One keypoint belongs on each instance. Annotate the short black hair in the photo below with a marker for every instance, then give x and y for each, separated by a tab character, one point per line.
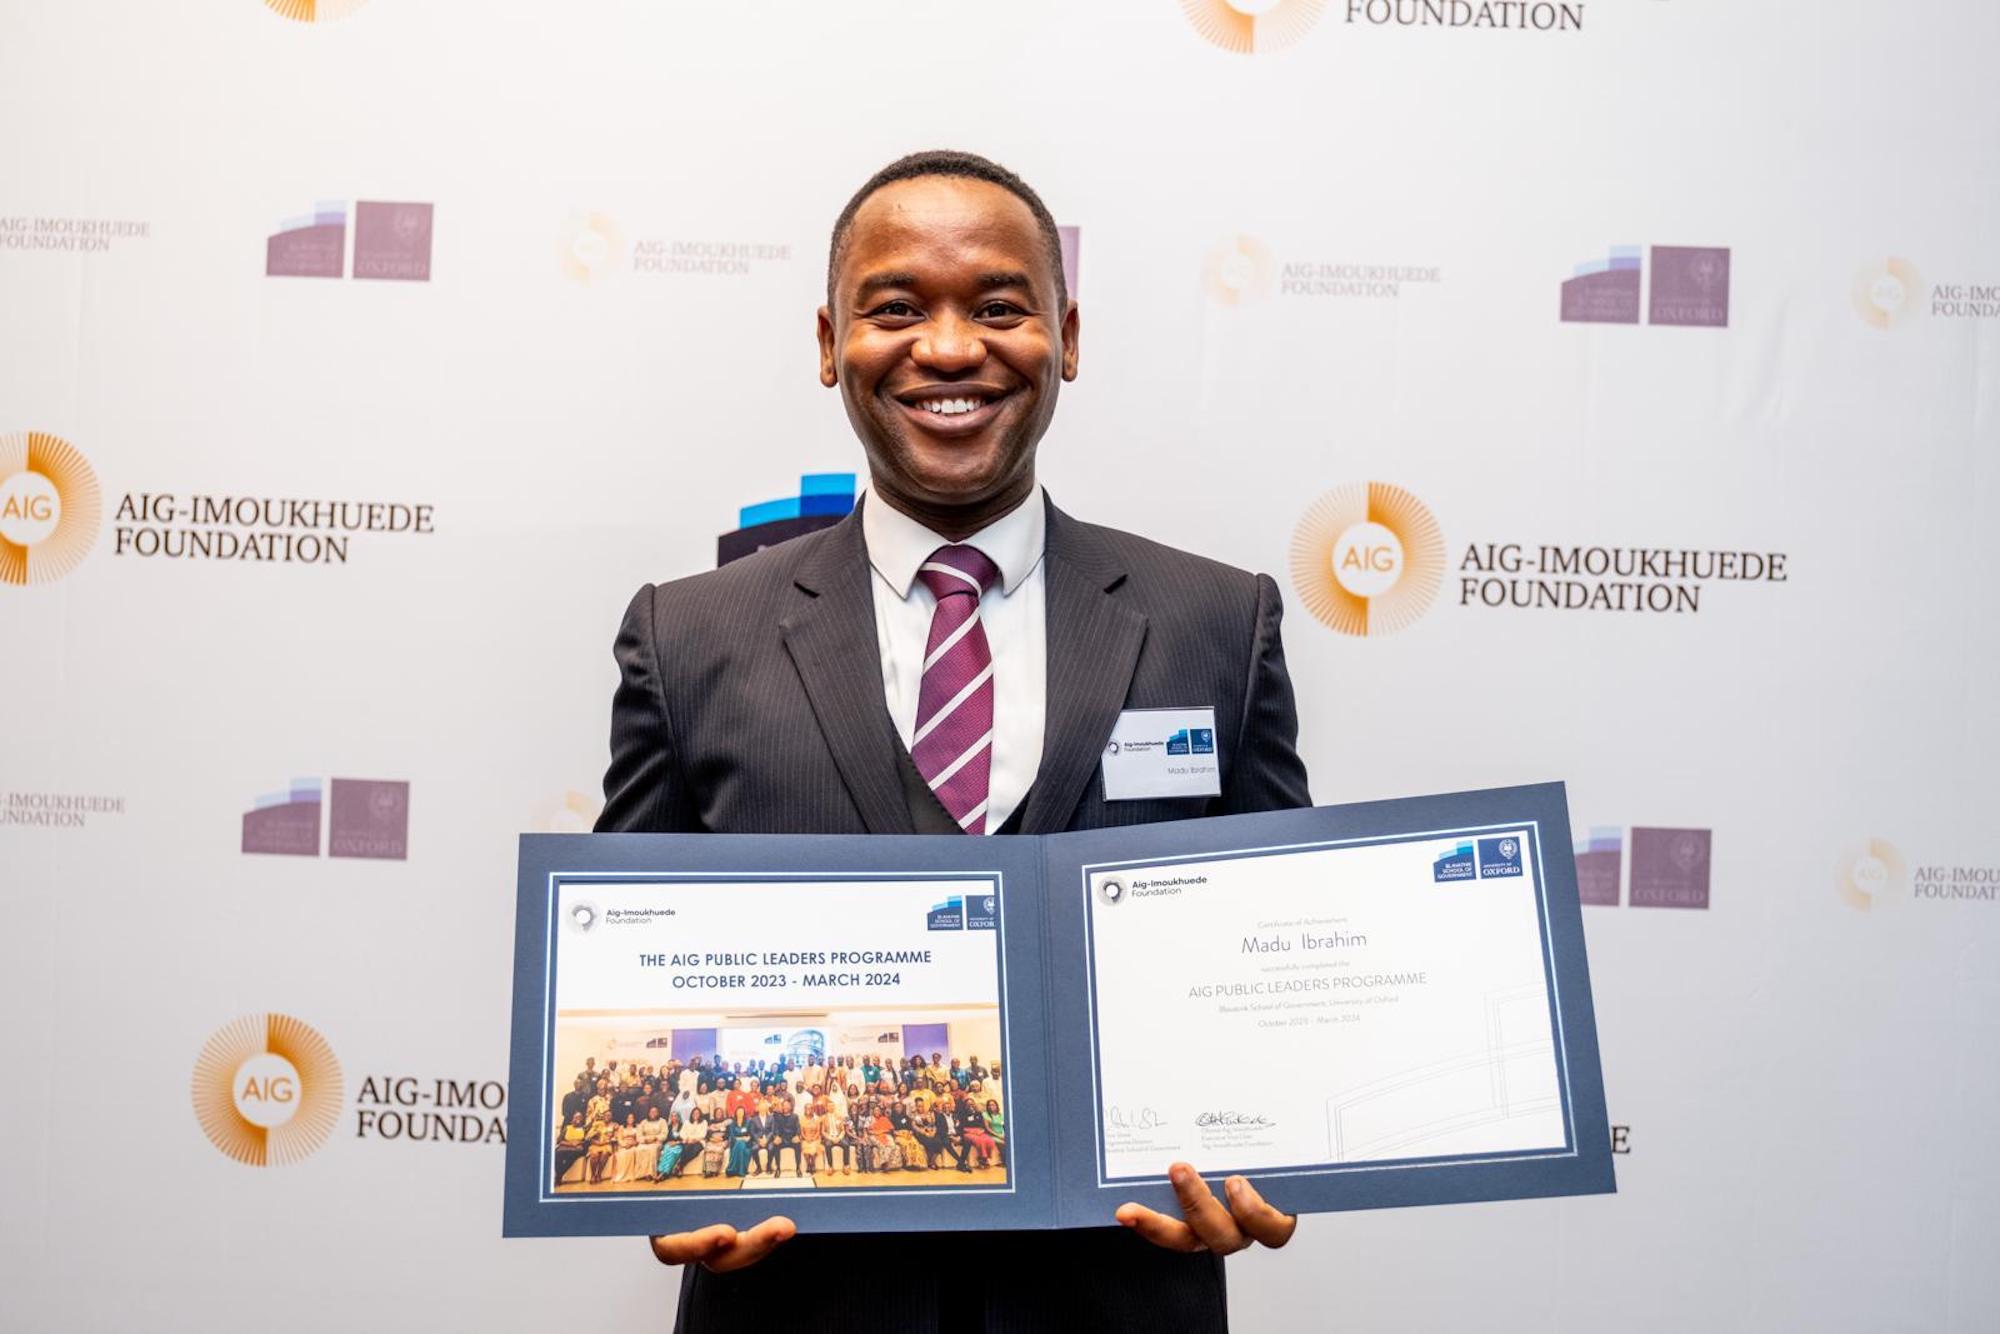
950	162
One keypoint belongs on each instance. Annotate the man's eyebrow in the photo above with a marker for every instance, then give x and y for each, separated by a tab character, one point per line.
876	282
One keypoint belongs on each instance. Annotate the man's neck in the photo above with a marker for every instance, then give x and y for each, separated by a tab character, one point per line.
955	523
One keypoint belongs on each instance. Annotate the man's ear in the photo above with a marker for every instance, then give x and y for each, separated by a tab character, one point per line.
829	373
1069	337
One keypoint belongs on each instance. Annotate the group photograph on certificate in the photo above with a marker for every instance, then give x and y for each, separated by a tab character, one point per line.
1137	667
849	1038
715	1124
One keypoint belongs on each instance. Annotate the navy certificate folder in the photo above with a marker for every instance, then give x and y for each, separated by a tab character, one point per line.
926	1033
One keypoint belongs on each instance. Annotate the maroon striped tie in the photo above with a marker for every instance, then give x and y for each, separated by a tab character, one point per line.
953	741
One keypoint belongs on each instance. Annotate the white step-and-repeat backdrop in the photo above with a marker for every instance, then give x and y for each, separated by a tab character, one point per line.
1614	385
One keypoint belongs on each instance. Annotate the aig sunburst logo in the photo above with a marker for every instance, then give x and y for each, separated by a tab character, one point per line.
1253	27
1367	558
313	11
1870	873
593	247
1887	294
1239	270
49	507
267	1089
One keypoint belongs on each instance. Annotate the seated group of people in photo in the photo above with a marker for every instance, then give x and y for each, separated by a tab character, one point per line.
641	1125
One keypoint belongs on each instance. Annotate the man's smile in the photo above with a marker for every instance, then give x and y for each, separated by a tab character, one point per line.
952	410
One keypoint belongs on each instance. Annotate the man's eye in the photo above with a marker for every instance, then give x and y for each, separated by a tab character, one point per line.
896	308
997	310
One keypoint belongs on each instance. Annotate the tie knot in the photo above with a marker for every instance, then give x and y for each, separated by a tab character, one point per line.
958	569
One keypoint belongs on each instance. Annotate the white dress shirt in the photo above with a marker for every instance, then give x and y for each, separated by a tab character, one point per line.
1012	613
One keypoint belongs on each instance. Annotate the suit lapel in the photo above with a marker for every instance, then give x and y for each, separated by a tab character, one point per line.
1093	647
831	637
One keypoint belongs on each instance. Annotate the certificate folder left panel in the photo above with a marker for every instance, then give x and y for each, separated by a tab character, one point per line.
719	1028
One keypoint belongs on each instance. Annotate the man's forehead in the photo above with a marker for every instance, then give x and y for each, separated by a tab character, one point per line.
938	215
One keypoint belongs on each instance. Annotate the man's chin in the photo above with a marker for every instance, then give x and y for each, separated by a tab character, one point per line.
952	477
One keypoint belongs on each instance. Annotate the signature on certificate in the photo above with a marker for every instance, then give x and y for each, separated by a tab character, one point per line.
1233	1119
1145	1118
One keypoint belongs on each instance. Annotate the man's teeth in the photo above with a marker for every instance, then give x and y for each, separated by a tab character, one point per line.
952	407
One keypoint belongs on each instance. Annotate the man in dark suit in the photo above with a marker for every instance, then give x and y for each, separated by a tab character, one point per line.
763	1134
575	1102
950	658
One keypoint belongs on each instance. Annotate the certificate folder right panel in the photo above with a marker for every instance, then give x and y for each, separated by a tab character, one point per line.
1356	1007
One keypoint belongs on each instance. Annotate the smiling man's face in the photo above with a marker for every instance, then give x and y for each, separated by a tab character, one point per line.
948	346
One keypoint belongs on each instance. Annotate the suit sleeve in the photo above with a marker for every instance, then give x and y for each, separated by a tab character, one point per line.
644	789
1268	774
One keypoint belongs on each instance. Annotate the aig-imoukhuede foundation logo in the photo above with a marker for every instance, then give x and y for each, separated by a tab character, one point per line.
56	234
49	507
1874	874
1871	874
1367	558
594	251
313	11
1253	27
267	1089
1890	292
1258	27
593	247
1887	293
1242	269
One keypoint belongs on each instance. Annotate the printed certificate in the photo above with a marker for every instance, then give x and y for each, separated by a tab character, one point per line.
1396	989
1353	1006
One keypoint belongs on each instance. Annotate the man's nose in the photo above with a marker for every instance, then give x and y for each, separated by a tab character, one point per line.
950	343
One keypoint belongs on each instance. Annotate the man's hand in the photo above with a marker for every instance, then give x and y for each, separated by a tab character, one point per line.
722	1248
1208	1226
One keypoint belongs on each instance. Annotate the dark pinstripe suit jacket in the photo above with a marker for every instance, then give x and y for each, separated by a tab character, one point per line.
750	701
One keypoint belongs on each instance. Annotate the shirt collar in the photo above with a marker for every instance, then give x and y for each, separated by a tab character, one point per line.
898	544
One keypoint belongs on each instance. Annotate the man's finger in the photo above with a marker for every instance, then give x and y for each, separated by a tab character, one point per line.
1204	1213
1256	1217
750	1247
1158	1228
681	1248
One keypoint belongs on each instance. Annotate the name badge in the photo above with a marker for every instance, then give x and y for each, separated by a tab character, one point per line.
1162	753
